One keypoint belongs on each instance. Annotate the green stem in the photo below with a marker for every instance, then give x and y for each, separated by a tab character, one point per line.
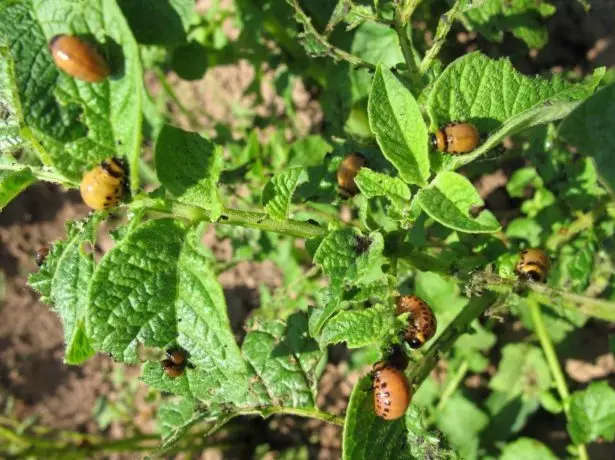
554	365
230	216
452	385
40	172
597	308
447	339
168	89
300	412
402	33
335	52
444	26
406	9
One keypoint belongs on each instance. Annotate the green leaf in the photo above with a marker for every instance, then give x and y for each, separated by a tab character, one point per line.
156	287
587	129
189	166
158	23
521	179
284	358
175	417
63	280
377	44
358	328
521	17
373	184
592	413
279	191
12	183
526	229
348	263
367	436
190	61
499	100
337	252
78	123
11	117
461	422
450	198
396	121
522	371
526	449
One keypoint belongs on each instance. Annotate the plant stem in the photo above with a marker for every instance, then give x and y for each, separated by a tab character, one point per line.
446	340
554	365
333	51
300	412
444	26
597	308
168	89
406	10
402	33
452	385
230	216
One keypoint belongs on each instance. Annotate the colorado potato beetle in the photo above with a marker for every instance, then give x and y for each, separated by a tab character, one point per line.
534	264
41	254
103	186
456	138
171	369
176	356
392	393
422	324
78	58
346	173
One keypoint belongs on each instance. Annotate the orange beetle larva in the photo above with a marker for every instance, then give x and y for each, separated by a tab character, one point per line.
346	173
456	138
534	264
392	392
176	356
171	369
78	58
103	186
422	324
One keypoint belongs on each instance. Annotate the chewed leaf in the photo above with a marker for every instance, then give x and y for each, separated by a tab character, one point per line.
63	281
452	200
396	120
493	17
358	328
499	100
373	184
588	129
189	166
78	123
11	118
279	191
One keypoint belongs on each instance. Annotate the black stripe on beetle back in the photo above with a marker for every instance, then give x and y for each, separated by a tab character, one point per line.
109	170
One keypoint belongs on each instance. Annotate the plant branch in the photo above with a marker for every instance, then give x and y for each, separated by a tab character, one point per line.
554	365
446	340
444	26
406	9
402	33
333	51
298	411
230	216
597	308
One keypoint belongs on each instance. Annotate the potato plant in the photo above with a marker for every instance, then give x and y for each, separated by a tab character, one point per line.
417	224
